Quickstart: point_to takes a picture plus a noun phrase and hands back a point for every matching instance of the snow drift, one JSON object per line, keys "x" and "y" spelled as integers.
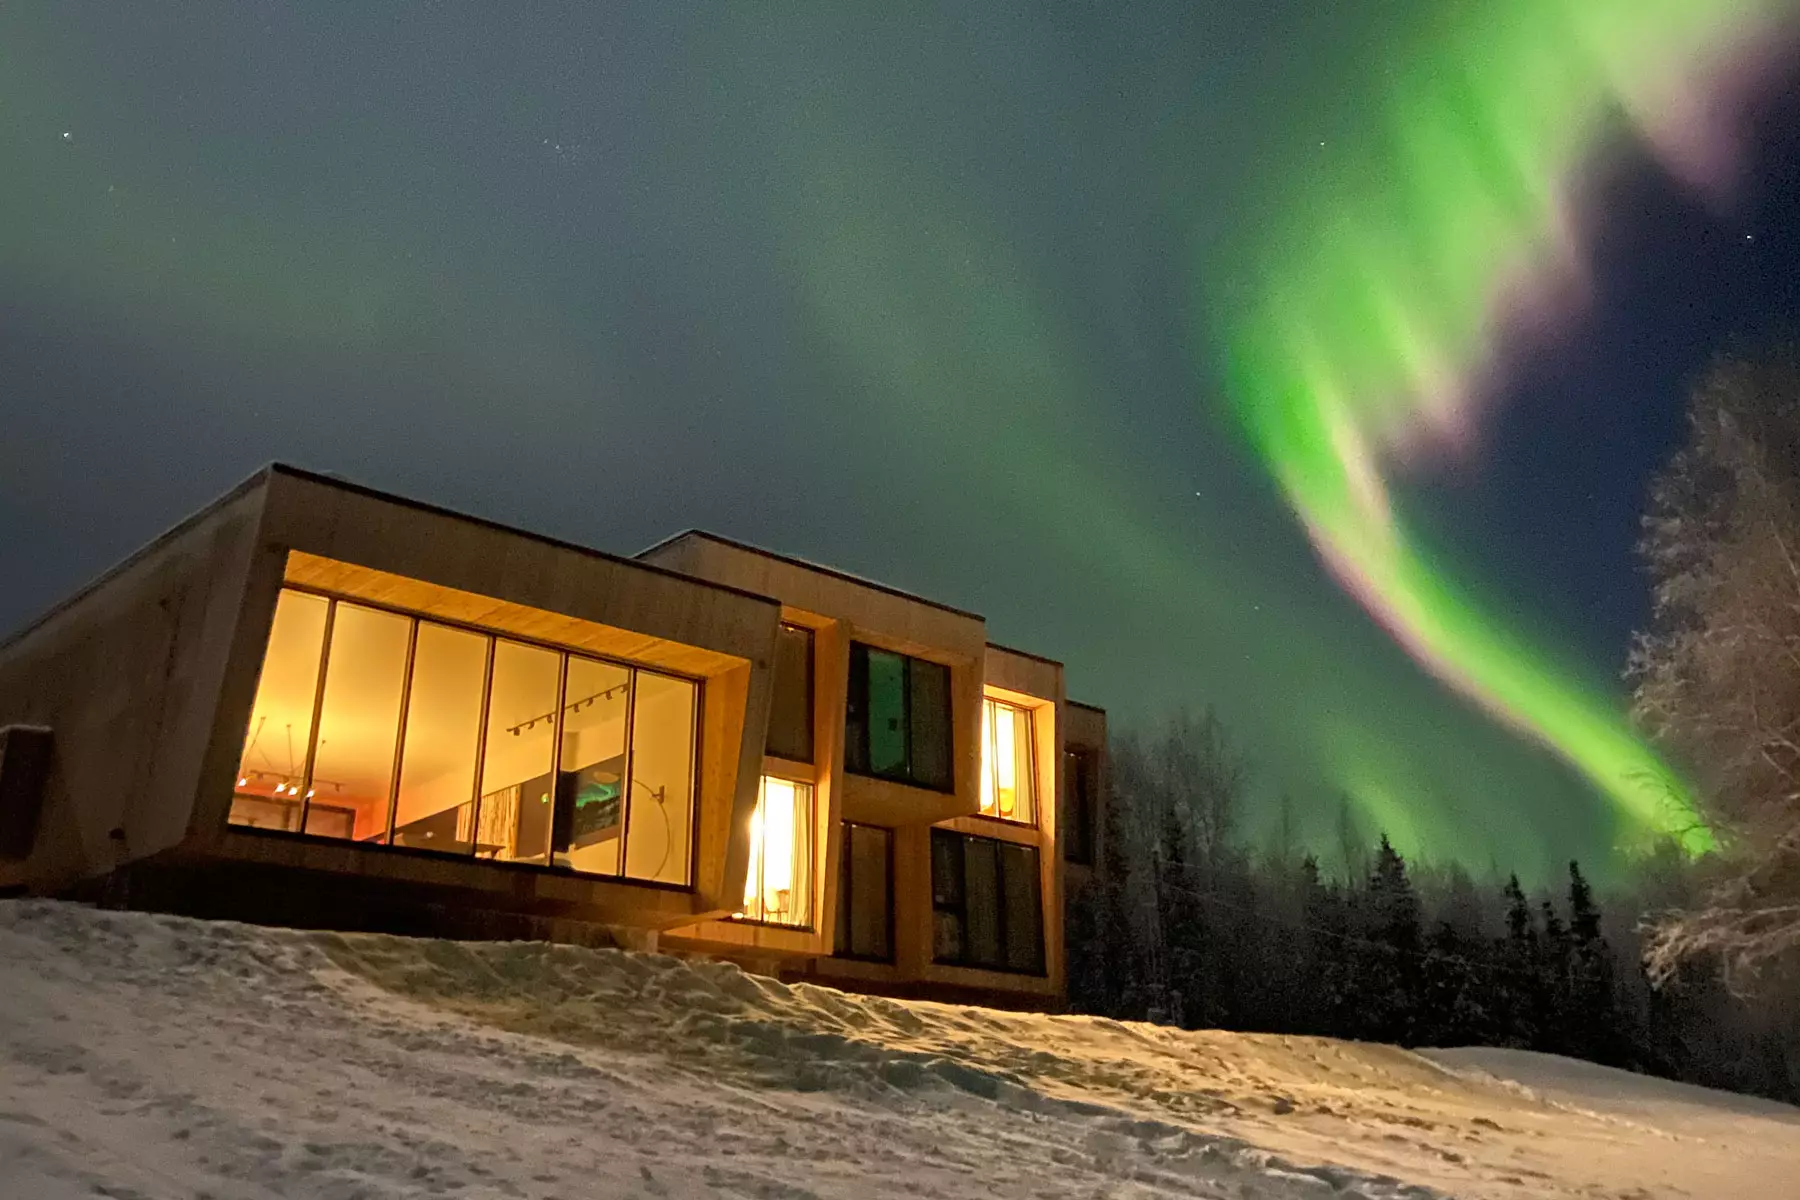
{"x": 146, "y": 1057}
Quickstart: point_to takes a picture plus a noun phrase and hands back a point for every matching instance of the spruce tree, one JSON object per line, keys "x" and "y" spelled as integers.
{"x": 1595, "y": 1017}
{"x": 1551, "y": 1001}
{"x": 1391, "y": 962}
{"x": 1516, "y": 971}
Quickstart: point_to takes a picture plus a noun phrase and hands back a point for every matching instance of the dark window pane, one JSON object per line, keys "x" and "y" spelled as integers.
{"x": 930, "y": 686}
{"x": 981, "y": 900}
{"x": 865, "y": 896}
{"x": 1024, "y": 912}
{"x": 887, "y": 713}
{"x": 1078, "y": 820}
{"x": 856, "y": 712}
{"x": 790, "y": 711}
{"x": 947, "y": 936}
{"x": 946, "y": 868}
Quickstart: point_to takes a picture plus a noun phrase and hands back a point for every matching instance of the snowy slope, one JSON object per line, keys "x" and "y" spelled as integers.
{"x": 146, "y": 1057}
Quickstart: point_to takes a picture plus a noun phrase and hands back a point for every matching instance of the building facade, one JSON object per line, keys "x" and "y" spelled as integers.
{"x": 318, "y": 705}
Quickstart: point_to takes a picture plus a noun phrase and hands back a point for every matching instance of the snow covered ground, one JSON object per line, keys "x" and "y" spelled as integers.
{"x": 154, "y": 1058}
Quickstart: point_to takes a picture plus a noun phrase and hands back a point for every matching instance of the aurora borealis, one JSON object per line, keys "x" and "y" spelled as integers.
{"x": 1063, "y": 314}
{"x": 1375, "y": 307}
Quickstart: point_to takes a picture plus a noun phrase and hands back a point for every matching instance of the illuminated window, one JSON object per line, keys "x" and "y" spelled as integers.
{"x": 1008, "y": 780}
{"x": 778, "y": 887}
{"x": 380, "y": 727}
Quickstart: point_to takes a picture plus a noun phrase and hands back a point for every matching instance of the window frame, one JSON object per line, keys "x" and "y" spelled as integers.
{"x": 493, "y": 637}
{"x": 847, "y": 893}
{"x": 811, "y": 825}
{"x": 860, "y": 763}
{"x": 1031, "y": 757}
{"x": 960, "y": 907}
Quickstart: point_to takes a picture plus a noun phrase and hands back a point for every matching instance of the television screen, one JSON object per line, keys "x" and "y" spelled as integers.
{"x": 593, "y": 799}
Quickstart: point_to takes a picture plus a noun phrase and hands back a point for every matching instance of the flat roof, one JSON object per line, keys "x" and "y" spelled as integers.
{"x": 1049, "y": 662}
{"x": 261, "y": 478}
{"x": 1089, "y": 707}
{"x": 499, "y": 527}
{"x": 807, "y": 565}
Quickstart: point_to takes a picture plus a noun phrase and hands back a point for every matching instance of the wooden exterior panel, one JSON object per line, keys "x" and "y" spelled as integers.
{"x": 127, "y": 676}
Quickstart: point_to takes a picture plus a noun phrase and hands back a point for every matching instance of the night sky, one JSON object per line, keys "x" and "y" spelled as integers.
{"x": 916, "y": 297}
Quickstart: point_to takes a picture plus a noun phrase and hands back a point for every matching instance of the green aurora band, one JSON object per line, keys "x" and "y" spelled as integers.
{"x": 1375, "y": 312}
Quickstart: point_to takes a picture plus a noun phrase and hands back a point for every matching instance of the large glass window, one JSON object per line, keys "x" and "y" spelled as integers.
{"x": 376, "y": 726}
{"x": 659, "y": 806}
{"x": 987, "y": 906}
{"x": 897, "y": 720}
{"x": 511, "y": 818}
{"x": 441, "y": 744}
{"x": 1081, "y": 817}
{"x": 1008, "y": 767}
{"x": 359, "y": 723}
{"x": 272, "y": 769}
{"x": 778, "y": 887}
{"x": 791, "y": 709}
{"x": 590, "y": 804}
{"x": 865, "y": 919}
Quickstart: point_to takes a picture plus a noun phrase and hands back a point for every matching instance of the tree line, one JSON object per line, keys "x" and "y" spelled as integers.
{"x": 1187, "y": 923}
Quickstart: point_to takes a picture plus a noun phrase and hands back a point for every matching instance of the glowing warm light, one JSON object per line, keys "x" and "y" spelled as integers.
{"x": 989, "y": 803}
{"x": 1006, "y": 777}
{"x": 778, "y": 885}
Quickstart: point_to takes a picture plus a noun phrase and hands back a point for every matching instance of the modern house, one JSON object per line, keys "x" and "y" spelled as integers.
{"x": 319, "y": 705}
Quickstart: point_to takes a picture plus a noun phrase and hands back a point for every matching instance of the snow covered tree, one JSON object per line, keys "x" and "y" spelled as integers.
{"x": 1389, "y": 964}
{"x": 1717, "y": 675}
{"x": 1516, "y": 964}
{"x": 1593, "y": 1018}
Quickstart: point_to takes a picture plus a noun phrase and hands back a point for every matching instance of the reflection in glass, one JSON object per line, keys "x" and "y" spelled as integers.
{"x": 274, "y": 759}
{"x": 621, "y": 801}
{"x": 443, "y": 729}
{"x": 887, "y": 713}
{"x": 590, "y": 801}
{"x": 512, "y": 819}
{"x": 353, "y": 763}
{"x": 659, "y": 807}
{"x": 778, "y": 886}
